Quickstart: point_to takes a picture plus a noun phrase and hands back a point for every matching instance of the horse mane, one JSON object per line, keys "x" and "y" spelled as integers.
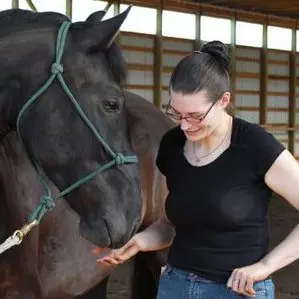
{"x": 16, "y": 17}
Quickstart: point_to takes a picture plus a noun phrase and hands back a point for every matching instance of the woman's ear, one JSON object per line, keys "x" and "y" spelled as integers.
{"x": 225, "y": 99}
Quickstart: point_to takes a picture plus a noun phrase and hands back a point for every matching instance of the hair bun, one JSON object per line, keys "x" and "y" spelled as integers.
{"x": 219, "y": 51}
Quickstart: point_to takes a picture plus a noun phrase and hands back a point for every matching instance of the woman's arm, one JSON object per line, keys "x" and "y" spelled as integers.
{"x": 283, "y": 178}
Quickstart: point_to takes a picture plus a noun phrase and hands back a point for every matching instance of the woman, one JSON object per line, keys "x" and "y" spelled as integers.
{"x": 220, "y": 171}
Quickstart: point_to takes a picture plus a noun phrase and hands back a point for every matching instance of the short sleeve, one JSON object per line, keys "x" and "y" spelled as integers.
{"x": 161, "y": 160}
{"x": 264, "y": 148}
{"x": 169, "y": 142}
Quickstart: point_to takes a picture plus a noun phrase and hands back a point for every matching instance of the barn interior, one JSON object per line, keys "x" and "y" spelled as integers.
{"x": 263, "y": 40}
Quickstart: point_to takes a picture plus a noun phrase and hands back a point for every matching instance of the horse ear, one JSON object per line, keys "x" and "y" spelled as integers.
{"x": 96, "y": 17}
{"x": 101, "y": 35}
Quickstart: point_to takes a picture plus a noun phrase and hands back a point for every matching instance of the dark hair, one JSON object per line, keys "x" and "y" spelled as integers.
{"x": 207, "y": 69}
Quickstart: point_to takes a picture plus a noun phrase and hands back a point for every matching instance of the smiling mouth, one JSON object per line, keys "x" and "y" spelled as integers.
{"x": 193, "y": 132}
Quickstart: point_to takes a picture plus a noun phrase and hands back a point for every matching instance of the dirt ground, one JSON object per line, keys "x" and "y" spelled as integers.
{"x": 119, "y": 283}
{"x": 283, "y": 219}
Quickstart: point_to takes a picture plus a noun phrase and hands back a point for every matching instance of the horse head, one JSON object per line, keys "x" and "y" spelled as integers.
{"x": 74, "y": 126}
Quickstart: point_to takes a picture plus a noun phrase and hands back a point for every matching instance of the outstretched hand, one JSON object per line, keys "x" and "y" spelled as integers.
{"x": 124, "y": 253}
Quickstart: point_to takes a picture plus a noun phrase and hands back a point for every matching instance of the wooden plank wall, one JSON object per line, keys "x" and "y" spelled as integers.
{"x": 247, "y": 99}
{"x": 264, "y": 81}
{"x": 139, "y": 52}
{"x": 174, "y": 50}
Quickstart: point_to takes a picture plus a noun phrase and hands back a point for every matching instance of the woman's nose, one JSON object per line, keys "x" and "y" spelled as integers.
{"x": 185, "y": 125}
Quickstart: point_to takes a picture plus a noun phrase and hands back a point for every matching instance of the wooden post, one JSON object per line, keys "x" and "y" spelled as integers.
{"x": 69, "y": 8}
{"x": 292, "y": 95}
{"x": 15, "y": 3}
{"x": 158, "y": 52}
{"x": 264, "y": 77}
{"x": 233, "y": 60}
{"x": 31, "y": 5}
{"x": 116, "y": 7}
{"x": 197, "y": 42}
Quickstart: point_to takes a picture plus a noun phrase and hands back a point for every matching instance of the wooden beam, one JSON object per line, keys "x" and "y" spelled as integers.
{"x": 247, "y": 92}
{"x": 136, "y": 34}
{"x": 140, "y": 86}
{"x": 247, "y": 75}
{"x": 248, "y": 59}
{"x": 254, "y": 108}
{"x": 218, "y": 11}
{"x": 136, "y": 48}
{"x": 177, "y": 52}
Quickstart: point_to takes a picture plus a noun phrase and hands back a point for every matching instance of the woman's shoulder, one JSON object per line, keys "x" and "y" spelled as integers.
{"x": 262, "y": 147}
{"x": 171, "y": 140}
{"x": 248, "y": 132}
{"x": 172, "y": 137}
{"x": 247, "y": 126}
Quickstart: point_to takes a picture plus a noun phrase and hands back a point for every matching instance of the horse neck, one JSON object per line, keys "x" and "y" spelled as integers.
{"x": 19, "y": 187}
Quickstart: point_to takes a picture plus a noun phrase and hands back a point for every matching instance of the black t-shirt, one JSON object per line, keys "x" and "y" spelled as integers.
{"x": 219, "y": 210}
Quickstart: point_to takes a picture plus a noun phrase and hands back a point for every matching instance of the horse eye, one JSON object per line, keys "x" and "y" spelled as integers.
{"x": 111, "y": 105}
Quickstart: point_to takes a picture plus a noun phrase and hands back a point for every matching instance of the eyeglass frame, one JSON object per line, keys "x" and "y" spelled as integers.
{"x": 193, "y": 120}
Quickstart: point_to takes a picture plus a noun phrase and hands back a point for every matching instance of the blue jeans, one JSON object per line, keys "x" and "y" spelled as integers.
{"x": 179, "y": 284}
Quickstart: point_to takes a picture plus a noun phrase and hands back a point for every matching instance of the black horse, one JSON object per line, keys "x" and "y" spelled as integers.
{"x": 58, "y": 132}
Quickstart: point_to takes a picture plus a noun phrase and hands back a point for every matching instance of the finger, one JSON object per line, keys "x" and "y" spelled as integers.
{"x": 249, "y": 287}
{"x": 125, "y": 255}
{"x": 101, "y": 253}
{"x": 242, "y": 284}
{"x": 109, "y": 260}
{"x": 123, "y": 249}
{"x": 231, "y": 279}
{"x": 236, "y": 281}
{"x": 104, "y": 262}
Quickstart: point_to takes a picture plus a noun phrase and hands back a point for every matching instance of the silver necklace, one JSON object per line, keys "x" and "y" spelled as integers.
{"x": 198, "y": 159}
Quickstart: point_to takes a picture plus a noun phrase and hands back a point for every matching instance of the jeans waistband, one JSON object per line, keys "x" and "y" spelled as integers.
{"x": 187, "y": 274}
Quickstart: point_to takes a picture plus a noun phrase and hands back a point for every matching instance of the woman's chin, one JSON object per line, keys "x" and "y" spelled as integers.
{"x": 195, "y": 135}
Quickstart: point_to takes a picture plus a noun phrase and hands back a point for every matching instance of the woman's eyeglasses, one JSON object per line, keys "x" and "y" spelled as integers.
{"x": 195, "y": 119}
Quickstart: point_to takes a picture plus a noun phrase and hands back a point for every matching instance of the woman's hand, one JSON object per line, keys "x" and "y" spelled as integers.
{"x": 243, "y": 279}
{"x": 121, "y": 255}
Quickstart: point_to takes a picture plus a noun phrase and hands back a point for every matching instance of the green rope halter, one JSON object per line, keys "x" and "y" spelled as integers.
{"x": 47, "y": 201}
